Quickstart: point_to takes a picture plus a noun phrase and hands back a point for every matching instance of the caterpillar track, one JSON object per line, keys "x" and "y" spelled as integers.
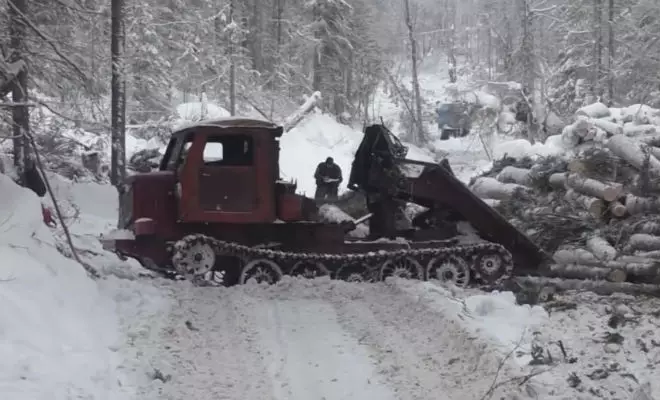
{"x": 199, "y": 258}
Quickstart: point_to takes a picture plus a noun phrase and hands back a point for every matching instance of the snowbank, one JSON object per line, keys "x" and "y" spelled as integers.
{"x": 320, "y": 136}
{"x": 196, "y": 111}
{"x": 91, "y": 207}
{"x": 519, "y": 148}
{"x": 59, "y": 333}
{"x": 495, "y": 316}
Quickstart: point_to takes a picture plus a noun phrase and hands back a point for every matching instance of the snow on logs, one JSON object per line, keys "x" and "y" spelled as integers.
{"x": 510, "y": 174}
{"x": 635, "y": 153}
{"x": 611, "y": 174}
{"x": 491, "y": 188}
{"x": 579, "y": 263}
{"x": 594, "y": 110}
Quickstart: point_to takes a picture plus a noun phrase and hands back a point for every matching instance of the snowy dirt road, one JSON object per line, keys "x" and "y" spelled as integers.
{"x": 307, "y": 340}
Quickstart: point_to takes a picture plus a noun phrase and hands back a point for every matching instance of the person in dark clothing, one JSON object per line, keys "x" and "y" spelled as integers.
{"x": 328, "y": 177}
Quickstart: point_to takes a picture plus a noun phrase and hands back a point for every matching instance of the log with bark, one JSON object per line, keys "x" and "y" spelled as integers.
{"x": 601, "y": 287}
{"x": 617, "y": 209}
{"x": 511, "y": 174}
{"x": 581, "y": 129}
{"x": 634, "y": 153}
{"x": 633, "y": 130}
{"x": 575, "y": 271}
{"x": 643, "y": 241}
{"x": 640, "y": 205}
{"x": 558, "y": 180}
{"x": 612, "y": 128}
{"x": 650, "y": 227}
{"x": 595, "y": 207}
{"x": 642, "y": 269}
{"x": 594, "y": 188}
{"x": 601, "y": 248}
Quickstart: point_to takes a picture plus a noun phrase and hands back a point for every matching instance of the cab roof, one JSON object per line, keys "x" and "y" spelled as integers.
{"x": 233, "y": 122}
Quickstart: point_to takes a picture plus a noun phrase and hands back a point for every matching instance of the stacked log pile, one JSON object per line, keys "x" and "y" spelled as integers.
{"x": 595, "y": 209}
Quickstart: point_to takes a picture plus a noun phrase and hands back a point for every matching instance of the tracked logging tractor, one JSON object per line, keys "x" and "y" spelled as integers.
{"x": 218, "y": 212}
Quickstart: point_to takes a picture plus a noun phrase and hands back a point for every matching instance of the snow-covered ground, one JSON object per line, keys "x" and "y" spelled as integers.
{"x": 131, "y": 335}
{"x": 58, "y": 329}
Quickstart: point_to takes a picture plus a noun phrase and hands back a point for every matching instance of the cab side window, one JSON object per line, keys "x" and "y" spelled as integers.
{"x": 177, "y": 155}
{"x": 229, "y": 150}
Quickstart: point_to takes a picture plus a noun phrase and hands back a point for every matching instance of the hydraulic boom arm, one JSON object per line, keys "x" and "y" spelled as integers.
{"x": 381, "y": 170}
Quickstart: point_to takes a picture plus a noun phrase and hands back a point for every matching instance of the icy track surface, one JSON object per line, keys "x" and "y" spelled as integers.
{"x": 303, "y": 340}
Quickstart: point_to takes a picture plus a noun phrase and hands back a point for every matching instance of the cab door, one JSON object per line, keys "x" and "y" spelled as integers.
{"x": 227, "y": 174}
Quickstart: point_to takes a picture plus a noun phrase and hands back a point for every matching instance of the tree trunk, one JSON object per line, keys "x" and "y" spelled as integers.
{"x": 420, "y": 136}
{"x": 610, "y": 51}
{"x": 232, "y": 64}
{"x": 18, "y": 10}
{"x": 598, "y": 47}
{"x": 118, "y": 101}
{"x": 256, "y": 47}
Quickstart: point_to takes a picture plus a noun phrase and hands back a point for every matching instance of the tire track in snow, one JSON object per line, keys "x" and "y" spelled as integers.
{"x": 428, "y": 354}
{"x": 310, "y": 356}
{"x": 207, "y": 348}
{"x": 422, "y": 353}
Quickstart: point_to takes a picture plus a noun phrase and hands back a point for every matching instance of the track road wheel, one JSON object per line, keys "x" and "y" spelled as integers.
{"x": 194, "y": 261}
{"x": 491, "y": 268}
{"x": 402, "y": 267}
{"x": 452, "y": 269}
{"x": 309, "y": 269}
{"x": 261, "y": 270}
{"x": 356, "y": 272}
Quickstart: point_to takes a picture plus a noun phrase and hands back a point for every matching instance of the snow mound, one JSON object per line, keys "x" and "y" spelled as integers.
{"x": 320, "y": 136}
{"x": 59, "y": 333}
{"x": 519, "y": 148}
{"x": 196, "y": 111}
{"x": 495, "y": 316}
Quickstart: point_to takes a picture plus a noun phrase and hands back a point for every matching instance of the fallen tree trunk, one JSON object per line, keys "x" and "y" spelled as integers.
{"x": 491, "y": 188}
{"x": 641, "y": 205}
{"x": 595, "y": 207}
{"x": 639, "y": 130}
{"x": 601, "y": 248}
{"x": 610, "y": 127}
{"x": 574, "y": 271}
{"x": 307, "y": 107}
{"x": 597, "y": 286}
{"x": 575, "y": 256}
{"x": 594, "y": 188}
{"x": 639, "y": 267}
{"x": 558, "y": 180}
{"x": 579, "y": 130}
{"x": 654, "y": 254}
{"x": 644, "y": 241}
{"x": 510, "y": 174}
{"x": 633, "y": 152}
{"x": 650, "y": 227}
{"x": 617, "y": 209}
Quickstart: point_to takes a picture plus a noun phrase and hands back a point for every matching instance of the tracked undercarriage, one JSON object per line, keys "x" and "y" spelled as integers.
{"x": 199, "y": 257}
